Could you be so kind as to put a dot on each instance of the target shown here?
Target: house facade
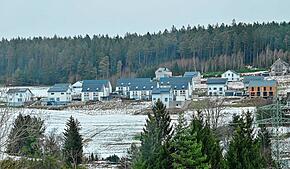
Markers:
(142, 91)
(262, 88)
(216, 86)
(60, 94)
(248, 79)
(95, 90)
(162, 72)
(124, 85)
(18, 96)
(182, 87)
(279, 68)
(165, 95)
(231, 75)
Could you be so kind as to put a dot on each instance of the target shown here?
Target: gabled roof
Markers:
(132, 81)
(280, 61)
(18, 90)
(59, 87)
(163, 69)
(143, 86)
(247, 79)
(161, 90)
(191, 74)
(177, 83)
(231, 71)
(94, 85)
(262, 83)
(217, 81)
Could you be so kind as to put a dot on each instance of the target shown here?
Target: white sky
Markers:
(29, 18)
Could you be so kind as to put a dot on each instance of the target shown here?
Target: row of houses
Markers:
(174, 91)
(253, 86)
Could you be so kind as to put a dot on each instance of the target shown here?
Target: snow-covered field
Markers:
(108, 133)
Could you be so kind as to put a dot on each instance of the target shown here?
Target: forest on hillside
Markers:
(39, 60)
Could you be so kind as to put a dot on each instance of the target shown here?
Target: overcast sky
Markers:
(29, 18)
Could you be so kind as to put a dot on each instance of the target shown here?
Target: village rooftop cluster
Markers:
(173, 91)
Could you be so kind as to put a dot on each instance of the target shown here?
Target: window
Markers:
(166, 99)
(210, 93)
(264, 94)
(214, 88)
(57, 99)
(62, 93)
(19, 100)
(270, 88)
(253, 89)
(252, 94)
(221, 89)
(20, 94)
(258, 93)
(258, 88)
(52, 93)
(209, 88)
(270, 93)
(265, 88)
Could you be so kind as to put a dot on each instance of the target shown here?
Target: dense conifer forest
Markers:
(39, 60)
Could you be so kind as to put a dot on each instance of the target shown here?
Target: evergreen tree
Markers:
(187, 150)
(154, 151)
(25, 135)
(73, 146)
(244, 149)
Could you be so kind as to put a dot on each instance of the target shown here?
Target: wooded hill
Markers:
(40, 60)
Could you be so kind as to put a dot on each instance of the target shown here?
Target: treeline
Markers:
(214, 48)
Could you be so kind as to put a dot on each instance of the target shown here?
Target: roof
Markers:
(143, 86)
(59, 87)
(161, 90)
(217, 81)
(247, 79)
(94, 85)
(191, 74)
(281, 62)
(132, 81)
(163, 69)
(18, 90)
(177, 83)
(232, 71)
(262, 83)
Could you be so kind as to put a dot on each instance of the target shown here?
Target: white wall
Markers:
(60, 96)
(214, 89)
(92, 96)
(19, 98)
(231, 76)
(166, 98)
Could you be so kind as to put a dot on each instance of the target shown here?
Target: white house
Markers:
(60, 94)
(77, 87)
(181, 87)
(142, 91)
(18, 96)
(231, 75)
(196, 77)
(125, 84)
(95, 90)
(162, 72)
(164, 94)
(216, 86)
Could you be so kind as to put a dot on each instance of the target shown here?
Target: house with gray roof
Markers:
(217, 86)
(18, 96)
(181, 87)
(248, 79)
(196, 77)
(95, 90)
(164, 94)
(142, 91)
(124, 85)
(280, 68)
(262, 88)
(59, 94)
(231, 75)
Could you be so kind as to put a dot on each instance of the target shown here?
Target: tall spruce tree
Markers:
(154, 151)
(244, 149)
(187, 150)
(73, 146)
